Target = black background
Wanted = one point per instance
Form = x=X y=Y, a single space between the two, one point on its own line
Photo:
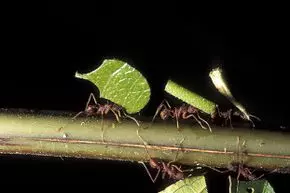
x=44 y=44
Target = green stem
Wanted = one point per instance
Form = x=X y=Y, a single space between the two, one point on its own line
x=41 y=134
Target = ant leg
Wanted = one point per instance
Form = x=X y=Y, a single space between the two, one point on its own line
x=102 y=127
x=228 y=117
x=144 y=142
x=204 y=121
x=230 y=184
x=116 y=115
x=82 y=112
x=257 y=118
x=177 y=122
x=149 y=174
x=259 y=177
x=239 y=173
x=164 y=171
x=218 y=110
x=217 y=170
x=198 y=121
x=132 y=118
x=92 y=96
x=157 y=111
x=78 y=114
x=156 y=164
x=178 y=168
x=175 y=158
x=167 y=103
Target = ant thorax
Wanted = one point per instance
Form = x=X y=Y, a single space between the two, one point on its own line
x=191 y=109
x=165 y=113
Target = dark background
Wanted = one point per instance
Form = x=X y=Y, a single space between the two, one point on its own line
x=43 y=45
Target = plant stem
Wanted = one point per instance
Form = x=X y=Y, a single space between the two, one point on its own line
x=42 y=134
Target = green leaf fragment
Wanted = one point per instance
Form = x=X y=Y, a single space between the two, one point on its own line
x=195 y=184
x=190 y=97
x=257 y=186
x=218 y=80
x=120 y=83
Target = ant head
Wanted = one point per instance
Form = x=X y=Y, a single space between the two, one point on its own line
x=91 y=108
x=154 y=164
x=179 y=176
x=233 y=166
x=164 y=114
x=239 y=114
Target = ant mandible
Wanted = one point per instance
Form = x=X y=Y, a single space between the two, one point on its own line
x=184 y=112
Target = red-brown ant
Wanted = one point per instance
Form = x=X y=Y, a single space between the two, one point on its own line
x=172 y=171
x=184 y=112
x=99 y=109
x=227 y=116
x=240 y=168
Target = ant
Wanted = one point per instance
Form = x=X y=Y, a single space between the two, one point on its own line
x=244 y=171
x=171 y=170
x=174 y=172
x=240 y=168
x=99 y=109
x=184 y=112
x=227 y=116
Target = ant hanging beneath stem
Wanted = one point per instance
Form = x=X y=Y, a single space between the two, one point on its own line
x=99 y=109
x=240 y=168
x=174 y=172
x=183 y=112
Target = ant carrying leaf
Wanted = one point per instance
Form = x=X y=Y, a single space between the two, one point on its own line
x=97 y=109
x=183 y=112
x=221 y=85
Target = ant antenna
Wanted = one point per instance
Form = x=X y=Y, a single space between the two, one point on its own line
x=92 y=96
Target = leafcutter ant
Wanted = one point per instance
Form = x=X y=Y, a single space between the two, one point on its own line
x=183 y=112
x=240 y=168
x=228 y=114
x=172 y=171
x=97 y=109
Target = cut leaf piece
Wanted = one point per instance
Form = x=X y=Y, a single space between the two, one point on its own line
x=195 y=184
x=256 y=186
x=221 y=85
x=190 y=97
x=120 y=83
